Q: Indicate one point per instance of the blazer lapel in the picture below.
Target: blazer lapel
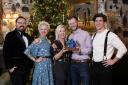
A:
(19, 36)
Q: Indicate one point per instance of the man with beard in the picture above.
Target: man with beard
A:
(16, 61)
(80, 54)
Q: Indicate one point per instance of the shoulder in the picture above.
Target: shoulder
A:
(70, 36)
(112, 36)
(49, 41)
(93, 35)
(10, 35)
(84, 32)
(56, 42)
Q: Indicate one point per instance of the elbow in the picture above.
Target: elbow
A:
(121, 53)
(124, 50)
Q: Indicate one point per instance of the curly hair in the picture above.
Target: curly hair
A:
(43, 23)
(100, 15)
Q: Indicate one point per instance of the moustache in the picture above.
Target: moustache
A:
(22, 26)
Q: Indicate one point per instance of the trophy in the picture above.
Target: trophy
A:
(71, 45)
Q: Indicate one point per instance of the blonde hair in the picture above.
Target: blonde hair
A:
(43, 23)
(59, 27)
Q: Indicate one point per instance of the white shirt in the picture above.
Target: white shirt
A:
(112, 43)
(25, 40)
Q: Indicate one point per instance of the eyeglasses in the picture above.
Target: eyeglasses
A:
(21, 22)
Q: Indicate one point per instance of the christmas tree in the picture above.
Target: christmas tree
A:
(52, 11)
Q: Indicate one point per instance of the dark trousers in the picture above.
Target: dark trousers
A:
(120, 74)
(120, 71)
(62, 73)
(101, 75)
(80, 73)
(19, 76)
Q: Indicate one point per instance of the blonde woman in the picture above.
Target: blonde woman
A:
(40, 54)
(61, 58)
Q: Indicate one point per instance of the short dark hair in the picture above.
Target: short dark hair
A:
(70, 17)
(19, 18)
(100, 15)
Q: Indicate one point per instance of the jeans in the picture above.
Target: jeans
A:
(80, 73)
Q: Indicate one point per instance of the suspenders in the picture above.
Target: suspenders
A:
(105, 44)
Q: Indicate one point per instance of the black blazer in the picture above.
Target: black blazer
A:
(13, 50)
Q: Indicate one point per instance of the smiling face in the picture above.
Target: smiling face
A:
(99, 24)
(21, 24)
(73, 24)
(43, 30)
(62, 33)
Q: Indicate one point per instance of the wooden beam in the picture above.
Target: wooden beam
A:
(1, 17)
(95, 6)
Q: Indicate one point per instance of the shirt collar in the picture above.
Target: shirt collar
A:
(103, 31)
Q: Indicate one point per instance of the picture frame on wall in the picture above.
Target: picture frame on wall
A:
(117, 11)
(85, 12)
(114, 6)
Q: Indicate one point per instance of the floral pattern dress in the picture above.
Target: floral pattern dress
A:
(42, 74)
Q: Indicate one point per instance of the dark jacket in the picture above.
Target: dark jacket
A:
(13, 50)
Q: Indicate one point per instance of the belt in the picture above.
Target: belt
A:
(43, 56)
(80, 61)
(63, 60)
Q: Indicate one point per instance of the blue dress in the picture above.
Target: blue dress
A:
(43, 70)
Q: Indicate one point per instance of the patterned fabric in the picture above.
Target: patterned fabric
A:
(42, 74)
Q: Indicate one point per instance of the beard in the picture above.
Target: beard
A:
(21, 28)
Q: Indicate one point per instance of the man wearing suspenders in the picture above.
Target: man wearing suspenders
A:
(104, 43)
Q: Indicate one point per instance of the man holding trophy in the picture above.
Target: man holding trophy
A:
(80, 44)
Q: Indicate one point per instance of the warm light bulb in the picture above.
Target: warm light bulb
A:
(15, 16)
(8, 16)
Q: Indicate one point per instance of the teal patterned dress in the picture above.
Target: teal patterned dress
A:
(42, 74)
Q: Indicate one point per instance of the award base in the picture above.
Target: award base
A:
(72, 49)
